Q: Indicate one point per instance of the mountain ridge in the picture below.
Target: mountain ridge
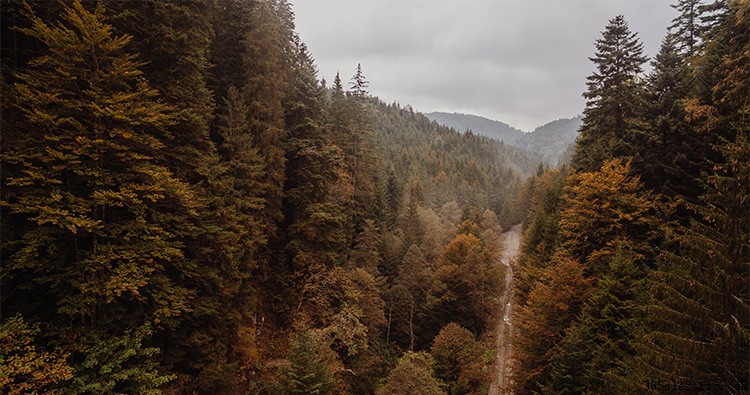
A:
(552, 141)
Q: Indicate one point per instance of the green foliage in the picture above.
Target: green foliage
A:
(681, 318)
(594, 349)
(310, 367)
(412, 375)
(613, 96)
(367, 251)
(117, 364)
(458, 360)
(699, 327)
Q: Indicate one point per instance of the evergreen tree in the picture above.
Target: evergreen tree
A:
(265, 85)
(591, 356)
(699, 324)
(358, 86)
(686, 27)
(669, 161)
(699, 329)
(230, 22)
(367, 252)
(412, 375)
(613, 97)
(317, 227)
(309, 371)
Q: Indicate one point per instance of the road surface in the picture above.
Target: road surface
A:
(511, 244)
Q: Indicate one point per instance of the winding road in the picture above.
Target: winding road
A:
(511, 244)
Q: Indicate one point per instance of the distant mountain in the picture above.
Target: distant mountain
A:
(552, 141)
(478, 125)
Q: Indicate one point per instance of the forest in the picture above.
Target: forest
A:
(186, 208)
(634, 275)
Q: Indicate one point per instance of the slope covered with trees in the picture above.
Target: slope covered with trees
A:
(634, 272)
(552, 142)
(187, 209)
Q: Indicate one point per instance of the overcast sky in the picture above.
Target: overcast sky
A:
(520, 62)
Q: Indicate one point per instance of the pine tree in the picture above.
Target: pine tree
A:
(590, 357)
(700, 327)
(230, 20)
(612, 96)
(309, 371)
(668, 161)
(358, 86)
(177, 65)
(391, 197)
(267, 75)
(686, 27)
(312, 166)
(367, 252)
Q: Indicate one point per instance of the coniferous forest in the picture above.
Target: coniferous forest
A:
(187, 208)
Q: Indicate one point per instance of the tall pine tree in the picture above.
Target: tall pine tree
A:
(612, 98)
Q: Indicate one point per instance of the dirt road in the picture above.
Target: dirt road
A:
(511, 245)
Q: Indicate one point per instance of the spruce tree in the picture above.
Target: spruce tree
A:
(317, 226)
(265, 84)
(612, 97)
(686, 27)
(668, 161)
(590, 357)
(699, 327)
(358, 86)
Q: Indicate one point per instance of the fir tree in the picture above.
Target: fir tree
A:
(358, 86)
(668, 161)
(686, 27)
(612, 96)
(699, 324)
(264, 87)
(590, 357)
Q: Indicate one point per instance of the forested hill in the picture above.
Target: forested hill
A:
(479, 125)
(471, 169)
(553, 141)
(187, 209)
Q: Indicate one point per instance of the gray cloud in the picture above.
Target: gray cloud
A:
(520, 62)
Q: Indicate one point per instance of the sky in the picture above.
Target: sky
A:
(520, 62)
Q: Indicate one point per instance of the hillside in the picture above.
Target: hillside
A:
(479, 125)
(553, 140)
(473, 170)
(550, 141)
